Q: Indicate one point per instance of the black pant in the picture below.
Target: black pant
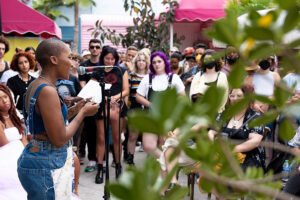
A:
(293, 185)
(90, 133)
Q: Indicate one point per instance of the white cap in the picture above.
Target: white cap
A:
(85, 52)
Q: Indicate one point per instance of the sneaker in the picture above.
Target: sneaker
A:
(91, 166)
(141, 149)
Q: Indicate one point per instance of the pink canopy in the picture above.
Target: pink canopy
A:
(17, 18)
(199, 10)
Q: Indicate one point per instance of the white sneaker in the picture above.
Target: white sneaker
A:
(91, 166)
(141, 149)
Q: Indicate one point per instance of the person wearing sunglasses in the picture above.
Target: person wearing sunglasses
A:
(89, 127)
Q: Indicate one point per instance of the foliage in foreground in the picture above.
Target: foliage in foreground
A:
(260, 38)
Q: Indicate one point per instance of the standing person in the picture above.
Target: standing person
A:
(193, 68)
(140, 70)
(209, 75)
(48, 158)
(86, 54)
(159, 79)
(250, 69)
(175, 59)
(89, 128)
(37, 69)
(22, 63)
(77, 59)
(231, 58)
(118, 78)
(264, 82)
(130, 54)
(12, 142)
(200, 48)
(4, 48)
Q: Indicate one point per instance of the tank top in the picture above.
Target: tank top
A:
(35, 121)
(263, 84)
(12, 134)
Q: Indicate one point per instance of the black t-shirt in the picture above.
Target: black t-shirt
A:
(19, 88)
(114, 77)
(68, 88)
(86, 77)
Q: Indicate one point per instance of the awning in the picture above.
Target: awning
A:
(17, 18)
(199, 10)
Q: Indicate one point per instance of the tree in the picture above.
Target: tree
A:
(259, 39)
(51, 9)
(242, 6)
(146, 30)
(76, 4)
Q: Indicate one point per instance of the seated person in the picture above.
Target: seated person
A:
(12, 142)
(237, 129)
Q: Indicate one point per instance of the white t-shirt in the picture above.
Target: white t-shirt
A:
(160, 83)
(10, 73)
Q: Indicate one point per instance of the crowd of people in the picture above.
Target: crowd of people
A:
(49, 147)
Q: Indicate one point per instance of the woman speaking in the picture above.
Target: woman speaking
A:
(45, 168)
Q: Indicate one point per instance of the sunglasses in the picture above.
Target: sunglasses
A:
(93, 47)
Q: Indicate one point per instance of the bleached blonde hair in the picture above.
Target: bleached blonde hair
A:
(135, 60)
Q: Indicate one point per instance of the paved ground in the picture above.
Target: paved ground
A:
(88, 190)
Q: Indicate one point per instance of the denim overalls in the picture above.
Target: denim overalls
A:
(45, 171)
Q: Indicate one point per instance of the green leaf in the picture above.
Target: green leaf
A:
(237, 75)
(264, 99)
(177, 193)
(119, 191)
(292, 19)
(286, 4)
(259, 33)
(235, 108)
(137, 118)
(262, 50)
(295, 44)
(225, 30)
(281, 96)
(264, 119)
(286, 130)
(213, 98)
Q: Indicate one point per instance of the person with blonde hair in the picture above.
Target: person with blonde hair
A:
(140, 70)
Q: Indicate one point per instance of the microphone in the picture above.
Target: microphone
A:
(83, 69)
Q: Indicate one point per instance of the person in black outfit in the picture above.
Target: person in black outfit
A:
(89, 130)
(248, 150)
(22, 62)
(118, 78)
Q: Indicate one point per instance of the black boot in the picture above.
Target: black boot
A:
(130, 159)
(118, 169)
(99, 175)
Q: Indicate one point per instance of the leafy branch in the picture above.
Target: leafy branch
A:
(146, 31)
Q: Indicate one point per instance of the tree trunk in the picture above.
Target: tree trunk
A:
(76, 23)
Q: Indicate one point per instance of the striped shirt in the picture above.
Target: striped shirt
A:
(134, 82)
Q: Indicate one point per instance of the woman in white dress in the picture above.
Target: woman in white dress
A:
(12, 142)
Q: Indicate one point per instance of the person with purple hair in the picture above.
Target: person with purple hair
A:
(159, 79)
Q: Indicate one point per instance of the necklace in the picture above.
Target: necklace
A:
(51, 84)
(236, 122)
(6, 117)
